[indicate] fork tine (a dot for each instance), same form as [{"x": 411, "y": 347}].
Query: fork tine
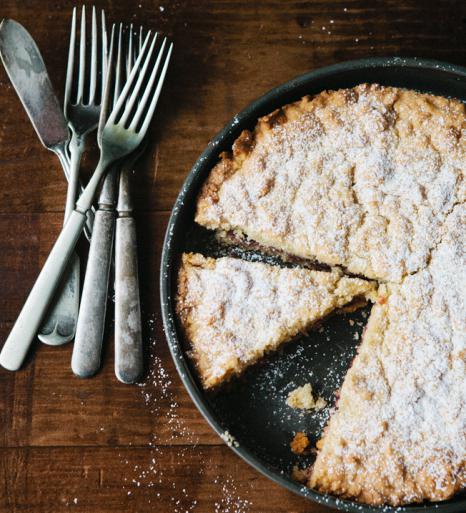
[
  {"x": 137, "y": 47},
  {"x": 150, "y": 112},
  {"x": 104, "y": 55},
  {"x": 141, "y": 39},
  {"x": 70, "y": 68},
  {"x": 107, "y": 88},
  {"x": 130, "y": 54},
  {"x": 93, "y": 77},
  {"x": 82, "y": 56},
  {"x": 142, "y": 74},
  {"x": 119, "y": 66},
  {"x": 148, "y": 90},
  {"x": 129, "y": 83}
]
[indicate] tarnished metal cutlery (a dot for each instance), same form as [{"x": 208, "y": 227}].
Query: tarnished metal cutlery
[
  {"x": 85, "y": 361},
  {"x": 83, "y": 94},
  {"x": 128, "y": 329},
  {"x": 26, "y": 70},
  {"x": 124, "y": 130},
  {"x": 90, "y": 331}
]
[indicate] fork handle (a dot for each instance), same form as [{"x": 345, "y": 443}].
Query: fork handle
[
  {"x": 128, "y": 337},
  {"x": 60, "y": 322},
  {"x": 87, "y": 348},
  {"x": 35, "y": 307},
  {"x": 61, "y": 151},
  {"x": 76, "y": 148}
]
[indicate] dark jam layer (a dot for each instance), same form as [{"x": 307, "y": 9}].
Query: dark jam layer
[{"x": 232, "y": 238}]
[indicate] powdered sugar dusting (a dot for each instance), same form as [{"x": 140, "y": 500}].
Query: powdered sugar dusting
[
  {"x": 230, "y": 501},
  {"x": 360, "y": 178},
  {"x": 400, "y": 432},
  {"x": 372, "y": 179},
  {"x": 163, "y": 481},
  {"x": 234, "y": 311}
]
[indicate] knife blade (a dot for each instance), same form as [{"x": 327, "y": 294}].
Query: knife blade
[{"x": 26, "y": 69}]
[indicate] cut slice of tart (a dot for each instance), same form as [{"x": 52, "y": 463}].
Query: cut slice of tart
[
  {"x": 361, "y": 178},
  {"x": 233, "y": 311}
]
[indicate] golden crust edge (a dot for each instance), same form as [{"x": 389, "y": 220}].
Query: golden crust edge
[
  {"x": 181, "y": 308},
  {"x": 231, "y": 161}
]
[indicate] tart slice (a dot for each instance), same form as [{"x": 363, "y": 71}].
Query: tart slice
[{"x": 234, "y": 311}]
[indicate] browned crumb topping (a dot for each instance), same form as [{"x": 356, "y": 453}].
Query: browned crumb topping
[
  {"x": 300, "y": 443},
  {"x": 234, "y": 311},
  {"x": 371, "y": 180}
]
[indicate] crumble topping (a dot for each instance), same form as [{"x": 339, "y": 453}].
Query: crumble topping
[
  {"x": 399, "y": 433},
  {"x": 299, "y": 474},
  {"x": 300, "y": 443},
  {"x": 361, "y": 178}
]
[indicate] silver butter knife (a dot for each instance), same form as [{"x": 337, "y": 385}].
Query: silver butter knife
[{"x": 26, "y": 70}]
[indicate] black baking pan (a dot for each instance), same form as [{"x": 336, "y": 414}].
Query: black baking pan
[{"x": 251, "y": 411}]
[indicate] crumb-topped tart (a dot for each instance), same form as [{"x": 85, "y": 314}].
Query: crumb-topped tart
[{"x": 369, "y": 180}]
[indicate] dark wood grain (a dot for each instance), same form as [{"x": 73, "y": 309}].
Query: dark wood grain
[
  {"x": 82, "y": 479},
  {"x": 77, "y": 445}
]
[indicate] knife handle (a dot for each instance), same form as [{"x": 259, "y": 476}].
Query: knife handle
[
  {"x": 34, "y": 309},
  {"x": 87, "y": 348},
  {"x": 128, "y": 333}
]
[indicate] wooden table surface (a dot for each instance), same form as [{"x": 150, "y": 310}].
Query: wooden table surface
[{"x": 97, "y": 445}]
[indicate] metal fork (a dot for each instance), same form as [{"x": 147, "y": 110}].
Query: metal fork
[
  {"x": 82, "y": 110},
  {"x": 128, "y": 330},
  {"x": 122, "y": 134},
  {"x": 87, "y": 348}
]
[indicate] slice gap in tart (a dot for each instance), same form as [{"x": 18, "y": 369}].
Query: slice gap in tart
[{"x": 234, "y": 311}]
